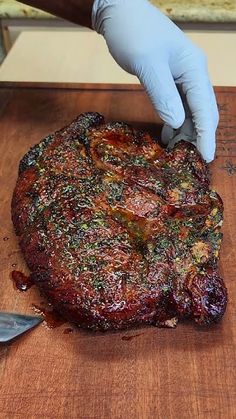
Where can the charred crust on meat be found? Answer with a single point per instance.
(117, 231)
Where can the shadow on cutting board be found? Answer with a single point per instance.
(141, 343)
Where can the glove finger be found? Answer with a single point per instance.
(167, 134)
(202, 103)
(184, 101)
(170, 137)
(215, 113)
(163, 93)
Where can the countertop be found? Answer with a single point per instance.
(26, 60)
(178, 10)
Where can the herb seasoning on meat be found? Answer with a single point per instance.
(117, 231)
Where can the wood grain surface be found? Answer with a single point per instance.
(189, 372)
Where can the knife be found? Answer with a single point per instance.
(13, 325)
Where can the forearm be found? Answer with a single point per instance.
(76, 11)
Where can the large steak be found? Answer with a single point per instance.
(117, 231)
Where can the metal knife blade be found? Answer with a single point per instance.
(13, 325)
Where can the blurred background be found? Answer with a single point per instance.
(38, 47)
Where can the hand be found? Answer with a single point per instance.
(144, 42)
(187, 132)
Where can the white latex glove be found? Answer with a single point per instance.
(144, 42)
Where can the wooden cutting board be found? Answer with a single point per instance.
(188, 372)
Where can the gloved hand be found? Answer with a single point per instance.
(187, 132)
(144, 42)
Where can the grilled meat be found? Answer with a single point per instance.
(118, 232)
